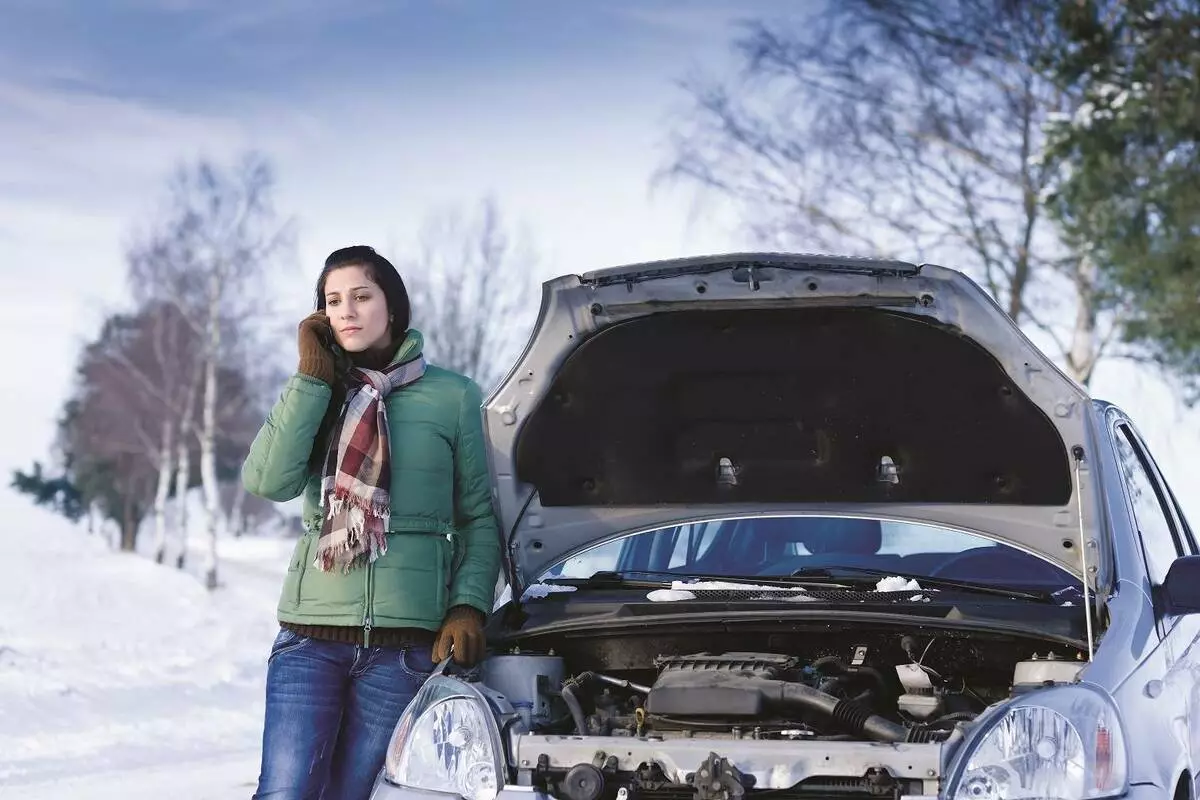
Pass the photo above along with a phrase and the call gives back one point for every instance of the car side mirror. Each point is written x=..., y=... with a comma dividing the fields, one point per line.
x=1181, y=588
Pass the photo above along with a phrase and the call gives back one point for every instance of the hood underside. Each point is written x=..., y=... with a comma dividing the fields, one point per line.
x=767, y=383
x=788, y=405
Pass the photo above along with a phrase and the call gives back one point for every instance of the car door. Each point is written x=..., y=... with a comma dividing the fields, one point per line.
x=1165, y=535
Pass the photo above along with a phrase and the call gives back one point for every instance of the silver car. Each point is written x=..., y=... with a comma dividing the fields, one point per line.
x=789, y=526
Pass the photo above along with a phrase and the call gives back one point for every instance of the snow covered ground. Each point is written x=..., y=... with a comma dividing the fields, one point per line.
x=123, y=678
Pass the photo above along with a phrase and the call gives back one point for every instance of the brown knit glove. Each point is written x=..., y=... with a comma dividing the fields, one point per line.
x=315, y=336
x=462, y=628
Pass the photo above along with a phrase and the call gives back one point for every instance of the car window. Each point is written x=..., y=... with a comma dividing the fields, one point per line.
x=782, y=545
x=596, y=559
x=692, y=542
x=906, y=538
x=1186, y=538
x=1189, y=538
x=1160, y=540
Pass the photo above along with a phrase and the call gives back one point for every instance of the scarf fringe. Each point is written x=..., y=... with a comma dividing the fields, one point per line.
x=363, y=521
x=340, y=497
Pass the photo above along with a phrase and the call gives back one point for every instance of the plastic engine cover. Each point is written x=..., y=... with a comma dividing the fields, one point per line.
x=705, y=685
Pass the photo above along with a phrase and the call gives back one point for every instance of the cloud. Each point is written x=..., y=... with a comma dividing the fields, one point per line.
x=690, y=21
x=78, y=136
x=87, y=152
x=222, y=19
x=710, y=21
x=189, y=54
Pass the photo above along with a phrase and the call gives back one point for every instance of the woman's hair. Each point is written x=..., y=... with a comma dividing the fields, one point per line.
x=381, y=271
x=378, y=269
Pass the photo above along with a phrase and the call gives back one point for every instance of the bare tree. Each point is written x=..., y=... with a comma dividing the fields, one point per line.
x=903, y=128
x=248, y=391
x=473, y=291
x=208, y=258
x=161, y=370
x=108, y=440
x=246, y=511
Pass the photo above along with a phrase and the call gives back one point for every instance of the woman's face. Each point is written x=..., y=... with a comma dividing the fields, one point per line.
x=357, y=310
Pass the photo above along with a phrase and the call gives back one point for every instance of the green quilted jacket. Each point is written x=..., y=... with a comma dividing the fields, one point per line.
x=443, y=540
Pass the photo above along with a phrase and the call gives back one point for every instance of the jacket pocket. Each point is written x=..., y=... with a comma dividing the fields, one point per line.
x=302, y=563
x=446, y=556
x=458, y=551
x=411, y=580
x=331, y=594
x=289, y=595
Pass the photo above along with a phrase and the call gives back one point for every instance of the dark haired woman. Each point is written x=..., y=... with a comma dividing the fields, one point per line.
x=398, y=564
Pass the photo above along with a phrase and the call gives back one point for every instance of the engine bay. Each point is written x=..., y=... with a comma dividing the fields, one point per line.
x=799, y=689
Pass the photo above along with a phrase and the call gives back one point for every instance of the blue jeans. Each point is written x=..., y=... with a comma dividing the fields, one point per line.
x=331, y=709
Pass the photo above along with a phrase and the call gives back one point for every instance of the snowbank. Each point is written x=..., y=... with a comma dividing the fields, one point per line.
x=109, y=661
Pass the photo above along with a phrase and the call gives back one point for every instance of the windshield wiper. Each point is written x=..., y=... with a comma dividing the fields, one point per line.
x=806, y=576
x=929, y=582
x=624, y=580
x=600, y=579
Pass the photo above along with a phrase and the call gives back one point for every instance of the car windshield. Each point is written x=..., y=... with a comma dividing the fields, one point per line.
x=783, y=546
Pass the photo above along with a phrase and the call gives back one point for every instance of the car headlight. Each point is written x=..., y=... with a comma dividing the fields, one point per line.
x=447, y=741
x=1063, y=743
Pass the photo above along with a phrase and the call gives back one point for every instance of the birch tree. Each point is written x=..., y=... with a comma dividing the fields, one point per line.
x=209, y=258
x=473, y=294
x=908, y=128
x=183, y=461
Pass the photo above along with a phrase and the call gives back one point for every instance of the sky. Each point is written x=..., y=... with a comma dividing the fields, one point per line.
x=374, y=113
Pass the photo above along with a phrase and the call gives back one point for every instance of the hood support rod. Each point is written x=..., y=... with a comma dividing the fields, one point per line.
x=1077, y=452
x=510, y=559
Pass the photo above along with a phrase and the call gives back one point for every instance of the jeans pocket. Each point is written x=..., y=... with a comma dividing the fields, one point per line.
x=417, y=660
x=285, y=642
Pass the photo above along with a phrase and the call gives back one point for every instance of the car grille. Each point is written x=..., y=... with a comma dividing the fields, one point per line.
x=817, y=788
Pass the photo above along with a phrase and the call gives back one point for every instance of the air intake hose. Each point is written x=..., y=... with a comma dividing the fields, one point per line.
x=852, y=716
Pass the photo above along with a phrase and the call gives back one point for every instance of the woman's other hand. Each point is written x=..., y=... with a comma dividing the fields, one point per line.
x=463, y=629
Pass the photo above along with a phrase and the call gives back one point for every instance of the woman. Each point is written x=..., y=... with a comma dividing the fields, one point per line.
x=400, y=556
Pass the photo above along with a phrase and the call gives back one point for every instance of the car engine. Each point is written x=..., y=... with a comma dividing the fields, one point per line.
x=724, y=724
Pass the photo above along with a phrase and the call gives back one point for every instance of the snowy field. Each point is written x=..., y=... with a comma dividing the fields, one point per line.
x=120, y=678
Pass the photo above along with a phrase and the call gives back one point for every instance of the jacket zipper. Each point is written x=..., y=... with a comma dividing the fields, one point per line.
x=368, y=622
x=367, y=610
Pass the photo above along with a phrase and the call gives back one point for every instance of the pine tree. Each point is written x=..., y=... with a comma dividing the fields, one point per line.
x=1129, y=186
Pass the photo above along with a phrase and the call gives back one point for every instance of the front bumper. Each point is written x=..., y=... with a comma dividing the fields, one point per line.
x=387, y=791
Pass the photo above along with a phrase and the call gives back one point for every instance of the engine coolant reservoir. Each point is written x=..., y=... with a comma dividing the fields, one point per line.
x=528, y=681
x=1038, y=672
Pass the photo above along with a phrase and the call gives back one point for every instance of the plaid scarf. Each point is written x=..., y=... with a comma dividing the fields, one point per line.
x=356, y=481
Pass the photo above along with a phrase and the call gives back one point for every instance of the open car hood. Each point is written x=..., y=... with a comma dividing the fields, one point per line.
x=775, y=383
